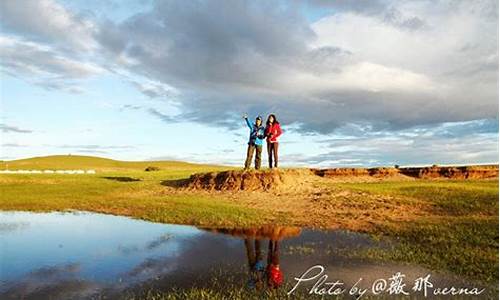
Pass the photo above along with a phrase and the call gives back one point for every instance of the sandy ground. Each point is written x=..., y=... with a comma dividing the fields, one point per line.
x=305, y=199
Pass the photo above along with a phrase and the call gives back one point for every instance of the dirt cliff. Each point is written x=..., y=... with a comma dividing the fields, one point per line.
x=450, y=172
x=250, y=180
x=299, y=179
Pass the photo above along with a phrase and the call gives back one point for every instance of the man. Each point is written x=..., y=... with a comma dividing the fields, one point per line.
x=254, y=142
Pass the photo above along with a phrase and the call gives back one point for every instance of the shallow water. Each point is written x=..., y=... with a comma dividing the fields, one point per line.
x=81, y=255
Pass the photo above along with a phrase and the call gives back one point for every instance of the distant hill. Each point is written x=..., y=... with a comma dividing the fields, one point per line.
x=66, y=162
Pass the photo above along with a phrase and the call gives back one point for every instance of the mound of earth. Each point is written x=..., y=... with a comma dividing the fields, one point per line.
x=434, y=172
x=358, y=172
x=465, y=172
x=237, y=180
x=292, y=180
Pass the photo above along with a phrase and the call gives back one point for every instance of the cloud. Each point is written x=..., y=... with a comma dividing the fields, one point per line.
x=165, y=118
x=15, y=129
x=448, y=143
x=48, y=45
x=359, y=6
x=130, y=106
x=47, y=20
x=389, y=151
x=408, y=63
x=154, y=89
x=43, y=65
x=13, y=145
x=96, y=147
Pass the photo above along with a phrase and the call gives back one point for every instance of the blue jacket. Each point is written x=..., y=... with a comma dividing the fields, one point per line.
x=256, y=134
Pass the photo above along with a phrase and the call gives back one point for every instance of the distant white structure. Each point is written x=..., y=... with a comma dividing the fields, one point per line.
x=47, y=172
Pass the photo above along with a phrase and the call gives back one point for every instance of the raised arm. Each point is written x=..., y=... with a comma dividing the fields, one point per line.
x=248, y=123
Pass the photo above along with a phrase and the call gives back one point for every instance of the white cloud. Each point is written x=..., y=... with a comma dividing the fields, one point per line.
x=376, y=78
x=49, y=21
x=43, y=65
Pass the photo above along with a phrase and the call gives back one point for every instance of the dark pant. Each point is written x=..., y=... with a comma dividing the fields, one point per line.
x=272, y=152
x=273, y=254
x=258, y=154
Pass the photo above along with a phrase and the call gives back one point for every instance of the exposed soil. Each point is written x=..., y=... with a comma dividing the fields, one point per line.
x=287, y=179
x=300, y=179
x=312, y=196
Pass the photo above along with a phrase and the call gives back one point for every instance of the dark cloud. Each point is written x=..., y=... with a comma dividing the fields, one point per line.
x=358, y=6
x=231, y=57
x=212, y=44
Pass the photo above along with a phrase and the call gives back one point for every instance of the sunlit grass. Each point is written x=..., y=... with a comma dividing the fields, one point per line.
x=459, y=232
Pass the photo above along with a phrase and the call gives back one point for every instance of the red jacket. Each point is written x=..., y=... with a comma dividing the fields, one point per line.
x=275, y=131
x=275, y=276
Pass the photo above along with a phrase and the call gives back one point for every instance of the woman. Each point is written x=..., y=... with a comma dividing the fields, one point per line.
x=273, y=131
x=254, y=141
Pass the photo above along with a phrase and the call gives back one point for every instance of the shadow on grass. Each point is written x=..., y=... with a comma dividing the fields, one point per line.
x=121, y=178
x=177, y=183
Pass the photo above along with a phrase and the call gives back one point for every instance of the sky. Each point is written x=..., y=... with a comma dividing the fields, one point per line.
x=352, y=82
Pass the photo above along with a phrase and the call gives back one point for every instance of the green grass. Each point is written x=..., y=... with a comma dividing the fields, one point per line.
x=53, y=162
x=144, y=199
x=459, y=233
x=449, y=197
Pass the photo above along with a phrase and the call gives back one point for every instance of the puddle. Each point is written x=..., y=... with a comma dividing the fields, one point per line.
x=81, y=255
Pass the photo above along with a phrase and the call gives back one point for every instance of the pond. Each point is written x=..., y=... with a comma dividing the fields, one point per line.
x=82, y=255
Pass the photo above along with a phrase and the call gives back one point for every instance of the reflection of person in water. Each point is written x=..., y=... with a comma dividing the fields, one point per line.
x=273, y=272
x=261, y=276
x=255, y=264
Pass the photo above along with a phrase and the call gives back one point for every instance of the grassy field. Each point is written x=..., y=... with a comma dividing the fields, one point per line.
x=459, y=232
x=70, y=162
x=456, y=228
x=121, y=188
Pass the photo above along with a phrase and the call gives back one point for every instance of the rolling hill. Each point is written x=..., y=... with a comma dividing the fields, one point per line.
x=59, y=162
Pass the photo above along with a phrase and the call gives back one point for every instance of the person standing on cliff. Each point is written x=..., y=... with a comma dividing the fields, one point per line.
x=255, y=141
x=273, y=131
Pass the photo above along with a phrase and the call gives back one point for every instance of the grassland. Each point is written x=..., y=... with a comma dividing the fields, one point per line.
x=459, y=232
x=121, y=188
x=445, y=225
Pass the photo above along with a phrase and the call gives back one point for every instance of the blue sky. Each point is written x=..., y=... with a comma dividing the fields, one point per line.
x=354, y=83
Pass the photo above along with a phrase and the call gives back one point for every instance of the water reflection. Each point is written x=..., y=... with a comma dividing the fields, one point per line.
x=84, y=255
x=262, y=274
